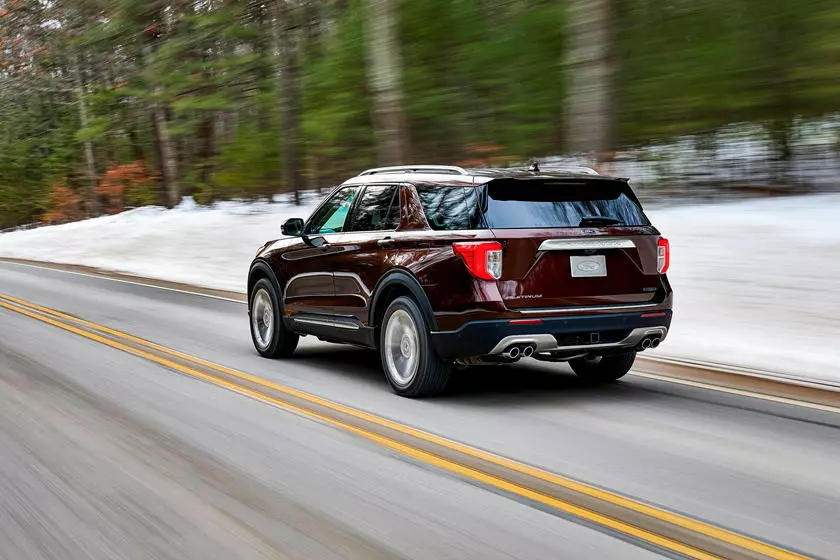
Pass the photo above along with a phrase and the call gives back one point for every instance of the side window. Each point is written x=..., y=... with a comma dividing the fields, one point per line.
x=451, y=208
x=330, y=218
x=378, y=209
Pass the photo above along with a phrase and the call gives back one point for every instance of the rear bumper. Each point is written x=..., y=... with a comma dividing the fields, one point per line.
x=581, y=333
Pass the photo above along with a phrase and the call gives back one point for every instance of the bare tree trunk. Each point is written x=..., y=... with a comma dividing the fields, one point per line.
x=207, y=146
x=286, y=31
x=167, y=156
x=384, y=70
x=590, y=113
x=91, y=202
x=168, y=161
x=290, y=93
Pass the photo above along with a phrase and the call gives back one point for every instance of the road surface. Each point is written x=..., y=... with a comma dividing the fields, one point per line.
x=105, y=454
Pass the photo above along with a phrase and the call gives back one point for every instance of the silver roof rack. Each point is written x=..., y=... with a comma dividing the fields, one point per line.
x=440, y=169
x=571, y=169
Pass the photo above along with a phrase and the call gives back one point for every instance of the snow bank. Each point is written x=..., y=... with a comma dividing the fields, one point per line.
x=204, y=246
x=756, y=284
x=756, y=281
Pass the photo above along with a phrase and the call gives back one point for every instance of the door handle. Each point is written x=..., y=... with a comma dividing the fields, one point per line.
x=386, y=242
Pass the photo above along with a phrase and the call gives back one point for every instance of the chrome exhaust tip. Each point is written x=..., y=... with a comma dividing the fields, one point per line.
x=655, y=342
x=512, y=353
x=646, y=343
x=528, y=351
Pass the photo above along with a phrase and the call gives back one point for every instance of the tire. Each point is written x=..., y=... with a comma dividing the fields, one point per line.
x=270, y=336
x=603, y=369
x=411, y=364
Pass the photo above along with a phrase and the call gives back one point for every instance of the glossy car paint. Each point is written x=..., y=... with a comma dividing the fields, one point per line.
x=341, y=278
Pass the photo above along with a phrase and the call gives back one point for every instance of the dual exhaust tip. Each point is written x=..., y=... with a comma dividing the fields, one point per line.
x=517, y=351
x=651, y=342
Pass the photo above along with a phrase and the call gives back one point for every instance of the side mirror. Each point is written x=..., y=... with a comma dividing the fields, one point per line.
x=292, y=227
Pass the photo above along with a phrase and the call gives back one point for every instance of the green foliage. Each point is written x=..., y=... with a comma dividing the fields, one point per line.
x=247, y=166
x=36, y=144
x=482, y=79
x=336, y=121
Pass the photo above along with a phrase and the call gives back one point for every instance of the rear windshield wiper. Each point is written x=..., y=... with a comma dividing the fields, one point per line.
x=598, y=221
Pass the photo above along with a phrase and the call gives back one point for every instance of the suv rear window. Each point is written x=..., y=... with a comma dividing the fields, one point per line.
x=521, y=205
x=517, y=204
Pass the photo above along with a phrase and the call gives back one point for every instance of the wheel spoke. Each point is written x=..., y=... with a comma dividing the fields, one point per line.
x=262, y=318
x=401, y=352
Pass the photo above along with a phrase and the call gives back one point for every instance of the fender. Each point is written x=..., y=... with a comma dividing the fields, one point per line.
x=403, y=279
x=261, y=266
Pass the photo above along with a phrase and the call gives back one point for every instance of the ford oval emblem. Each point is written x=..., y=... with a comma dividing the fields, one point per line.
x=588, y=266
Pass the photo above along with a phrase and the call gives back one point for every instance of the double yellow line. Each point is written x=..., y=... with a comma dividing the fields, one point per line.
x=671, y=531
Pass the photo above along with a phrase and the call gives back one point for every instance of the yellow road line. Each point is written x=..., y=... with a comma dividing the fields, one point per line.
x=716, y=533
x=391, y=444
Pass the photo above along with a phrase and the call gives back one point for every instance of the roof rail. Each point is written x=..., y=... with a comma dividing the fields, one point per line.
x=569, y=169
x=441, y=169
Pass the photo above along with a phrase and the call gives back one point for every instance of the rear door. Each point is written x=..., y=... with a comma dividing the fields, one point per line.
x=571, y=242
x=367, y=249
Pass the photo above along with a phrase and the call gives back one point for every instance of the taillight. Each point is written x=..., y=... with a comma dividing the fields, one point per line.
x=483, y=258
x=663, y=255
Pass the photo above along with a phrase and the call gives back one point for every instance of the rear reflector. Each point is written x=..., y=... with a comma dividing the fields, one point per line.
x=525, y=322
x=483, y=258
x=663, y=255
x=657, y=314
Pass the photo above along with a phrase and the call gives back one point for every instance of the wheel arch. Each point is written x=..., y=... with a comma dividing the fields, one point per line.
x=394, y=284
x=261, y=269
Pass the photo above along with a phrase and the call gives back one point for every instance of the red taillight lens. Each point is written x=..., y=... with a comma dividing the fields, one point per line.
x=483, y=258
x=663, y=255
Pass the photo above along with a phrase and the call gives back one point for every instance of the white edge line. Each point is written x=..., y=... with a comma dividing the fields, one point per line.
x=740, y=392
x=748, y=372
x=135, y=283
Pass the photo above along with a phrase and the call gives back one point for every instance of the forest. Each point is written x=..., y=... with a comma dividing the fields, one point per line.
x=110, y=104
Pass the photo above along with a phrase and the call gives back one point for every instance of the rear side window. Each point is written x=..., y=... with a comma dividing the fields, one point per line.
x=378, y=209
x=518, y=204
x=451, y=208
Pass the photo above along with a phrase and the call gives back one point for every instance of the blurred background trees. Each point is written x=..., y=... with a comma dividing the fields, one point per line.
x=107, y=104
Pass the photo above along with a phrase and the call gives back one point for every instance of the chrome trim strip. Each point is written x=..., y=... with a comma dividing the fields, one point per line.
x=326, y=323
x=541, y=341
x=630, y=306
x=586, y=244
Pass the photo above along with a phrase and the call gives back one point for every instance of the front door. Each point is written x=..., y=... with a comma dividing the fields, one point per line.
x=310, y=288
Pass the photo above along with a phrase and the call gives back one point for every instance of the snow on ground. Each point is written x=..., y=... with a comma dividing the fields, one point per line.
x=204, y=246
x=756, y=281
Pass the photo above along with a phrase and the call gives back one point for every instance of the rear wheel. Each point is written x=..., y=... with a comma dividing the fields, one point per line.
x=603, y=368
x=271, y=337
x=411, y=364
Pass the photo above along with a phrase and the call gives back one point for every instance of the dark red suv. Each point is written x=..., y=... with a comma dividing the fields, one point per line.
x=437, y=266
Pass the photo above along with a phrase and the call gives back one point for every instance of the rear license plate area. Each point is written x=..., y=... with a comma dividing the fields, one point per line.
x=588, y=266
x=587, y=338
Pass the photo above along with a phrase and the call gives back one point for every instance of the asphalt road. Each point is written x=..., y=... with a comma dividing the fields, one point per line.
x=107, y=455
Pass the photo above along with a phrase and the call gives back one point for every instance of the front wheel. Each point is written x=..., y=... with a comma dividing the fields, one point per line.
x=271, y=337
x=411, y=364
x=603, y=368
